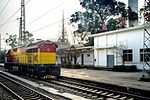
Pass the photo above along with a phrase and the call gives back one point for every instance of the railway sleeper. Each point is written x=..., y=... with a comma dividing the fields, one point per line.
x=33, y=98
x=110, y=99
x=123, y=98
x=105, y=93
x=131, y=99
x=84, y=94
x=89, y=96
x=94, y=91
x=80, y=93
x=30, y=95
x=117, y=96
x=99, y=92
x=94, y=97
x=100, y=98
x=110, y=95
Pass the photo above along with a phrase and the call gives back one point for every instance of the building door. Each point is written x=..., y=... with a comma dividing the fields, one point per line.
x=82, y=59
x=110, y=61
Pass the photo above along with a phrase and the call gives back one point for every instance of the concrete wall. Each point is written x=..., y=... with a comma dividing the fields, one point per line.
x=88, y=58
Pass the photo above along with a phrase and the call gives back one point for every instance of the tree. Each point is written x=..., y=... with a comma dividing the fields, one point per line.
x=29, y=38
x=145, y=11
x=90, y=41
x=73, y=53
x=12, y=40
x=119, y=51
x=99, y=16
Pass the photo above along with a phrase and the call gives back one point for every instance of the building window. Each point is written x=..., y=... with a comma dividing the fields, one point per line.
x=127, y=55
x=146, y=55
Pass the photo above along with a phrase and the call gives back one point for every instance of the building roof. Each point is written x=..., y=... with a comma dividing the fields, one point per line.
x=121, y=30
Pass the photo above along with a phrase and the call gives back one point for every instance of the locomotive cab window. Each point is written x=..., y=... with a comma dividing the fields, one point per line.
x=33, y=50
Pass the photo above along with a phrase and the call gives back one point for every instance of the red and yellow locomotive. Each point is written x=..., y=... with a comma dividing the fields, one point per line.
x=37, y=59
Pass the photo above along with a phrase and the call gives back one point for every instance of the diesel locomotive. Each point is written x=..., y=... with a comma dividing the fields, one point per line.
x=37, y=59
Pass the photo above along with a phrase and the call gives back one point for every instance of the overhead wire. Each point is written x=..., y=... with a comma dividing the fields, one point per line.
x=46, y=13
x=12, y=16
x=48, y=25
x=5, y=6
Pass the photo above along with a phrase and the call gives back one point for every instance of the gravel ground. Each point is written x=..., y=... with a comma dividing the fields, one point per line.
x=128, y=79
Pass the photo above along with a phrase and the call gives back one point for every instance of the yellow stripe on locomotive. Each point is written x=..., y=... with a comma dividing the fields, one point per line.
x=47, y=58
x=38, y=58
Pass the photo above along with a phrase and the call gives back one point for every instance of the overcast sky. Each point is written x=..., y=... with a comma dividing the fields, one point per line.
x=43, y=17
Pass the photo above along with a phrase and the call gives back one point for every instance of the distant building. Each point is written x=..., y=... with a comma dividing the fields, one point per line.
x=84, y=55
x=105, y=53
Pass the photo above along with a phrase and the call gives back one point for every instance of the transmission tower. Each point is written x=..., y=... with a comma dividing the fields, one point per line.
x=63, y=38
x=146, y=42
x=22, y=30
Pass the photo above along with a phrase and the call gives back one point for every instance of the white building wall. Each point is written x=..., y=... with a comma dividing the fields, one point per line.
x=102, y=58
x=132, y=39
x=88, y=58
x=111, y=40
x=101, y=41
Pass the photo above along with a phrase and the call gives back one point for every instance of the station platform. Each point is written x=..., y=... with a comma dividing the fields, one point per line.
x=127, y=79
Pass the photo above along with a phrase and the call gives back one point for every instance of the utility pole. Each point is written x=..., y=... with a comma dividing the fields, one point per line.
x=63, y=30
x=63, y=38
x=22, y=30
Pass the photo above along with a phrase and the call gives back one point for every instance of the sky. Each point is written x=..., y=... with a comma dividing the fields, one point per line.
x=43, y=17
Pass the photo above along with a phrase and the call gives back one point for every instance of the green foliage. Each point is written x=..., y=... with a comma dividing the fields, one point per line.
x=113, y=24
x=29, y=38
x=12, y=40
x=99, y=16
x=145, y=11
x=90, y=42
x=132, y=15
x=125, y=68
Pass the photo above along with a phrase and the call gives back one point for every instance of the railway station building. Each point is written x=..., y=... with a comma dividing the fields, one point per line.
x=128, y=41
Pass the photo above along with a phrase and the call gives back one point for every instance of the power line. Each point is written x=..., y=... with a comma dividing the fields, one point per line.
x=48, y=25
x=9, y=18
x=12, y=16
x=46, y=13
x=5, y=6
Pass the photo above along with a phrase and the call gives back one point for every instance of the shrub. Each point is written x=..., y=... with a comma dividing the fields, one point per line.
x=125, y=68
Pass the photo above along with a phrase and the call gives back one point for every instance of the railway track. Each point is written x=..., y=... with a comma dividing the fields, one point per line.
x=5, y=93
x=20, y=91
x=97, y=91
x=94, y=90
